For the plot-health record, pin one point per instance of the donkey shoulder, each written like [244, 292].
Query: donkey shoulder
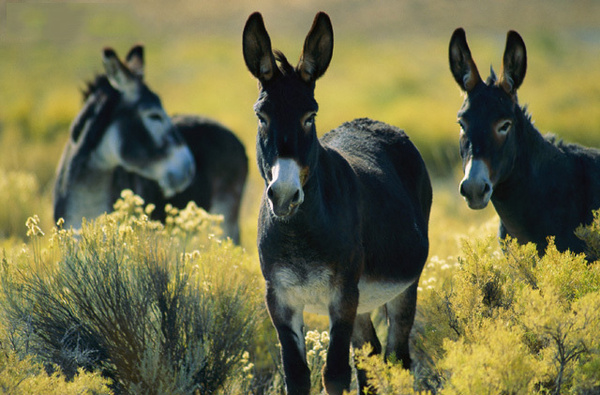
[585, 159]
[369, 130]
[367, 139]
[373, 145]
[203, 132]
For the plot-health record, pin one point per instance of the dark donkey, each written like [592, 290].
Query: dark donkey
[122, 138]
[343, 221]
[538, 186]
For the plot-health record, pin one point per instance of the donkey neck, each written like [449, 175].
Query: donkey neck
[330, 186]
[86, 181]
[517, 199]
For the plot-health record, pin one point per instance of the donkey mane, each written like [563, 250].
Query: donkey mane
[284, 65]
[100, 101]
[492, 79]
[530, 136]
[99, 83]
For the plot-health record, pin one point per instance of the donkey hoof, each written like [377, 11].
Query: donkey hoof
[336, 382]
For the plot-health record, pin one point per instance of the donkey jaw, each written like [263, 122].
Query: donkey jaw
[284, 192]
[282, 211]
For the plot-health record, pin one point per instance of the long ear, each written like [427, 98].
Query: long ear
[514, 63]
[119, 75]
[135, 61]
[318, 49]
[256, 46]
[462, 66]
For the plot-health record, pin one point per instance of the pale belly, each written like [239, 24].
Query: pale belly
[315, 293]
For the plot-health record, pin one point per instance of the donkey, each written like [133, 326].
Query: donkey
[343, 219]
[538, 186]
[218, 185]
[122, 138]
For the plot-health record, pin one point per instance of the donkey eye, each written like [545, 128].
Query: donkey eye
[262, 121]
[155, 117]
[309, 121]
[504, 127]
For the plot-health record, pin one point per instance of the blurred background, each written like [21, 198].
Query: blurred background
[390, 63]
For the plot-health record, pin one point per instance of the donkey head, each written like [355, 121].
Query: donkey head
[139, 135]
[287, 144]
[487, 118]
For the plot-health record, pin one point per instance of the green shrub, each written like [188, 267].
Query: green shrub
[513, 322]
[492, 360]
[24, 376]
[125, 297]
[590, 234]
[384, 377]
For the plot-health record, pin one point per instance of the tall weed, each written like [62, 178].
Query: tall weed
[20, 193]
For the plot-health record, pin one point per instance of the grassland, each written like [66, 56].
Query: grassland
[390, 63]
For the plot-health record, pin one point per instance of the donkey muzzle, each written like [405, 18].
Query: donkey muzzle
[284, 192]
[179, 173]
[476, 186]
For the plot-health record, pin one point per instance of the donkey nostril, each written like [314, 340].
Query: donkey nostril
[462, 189]
[486, 188]
[296, 197]
[172, 178]
[270, 192]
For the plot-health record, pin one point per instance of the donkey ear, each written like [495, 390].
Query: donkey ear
[135, 61]
[119, 75]
[462, 66]
[514, 63]
[318, 49]
[256, 45]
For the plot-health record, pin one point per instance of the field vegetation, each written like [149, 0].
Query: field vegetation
[127, 305]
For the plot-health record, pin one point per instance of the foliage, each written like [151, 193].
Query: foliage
[513, 322]
[384, 377]
[124, 297]
[24, 376]
[590, 234]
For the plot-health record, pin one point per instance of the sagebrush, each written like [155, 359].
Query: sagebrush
[150, 307]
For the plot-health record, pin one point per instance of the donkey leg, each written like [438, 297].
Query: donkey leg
[364, 333]
[342, 313]
[288, 322]
[401, 315]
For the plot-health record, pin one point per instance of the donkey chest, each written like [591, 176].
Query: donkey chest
[318, 291]
[311, 291]
[88, 198]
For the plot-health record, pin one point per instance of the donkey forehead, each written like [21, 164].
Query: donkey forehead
[485, 105]
[284, 95]
[145, 100]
